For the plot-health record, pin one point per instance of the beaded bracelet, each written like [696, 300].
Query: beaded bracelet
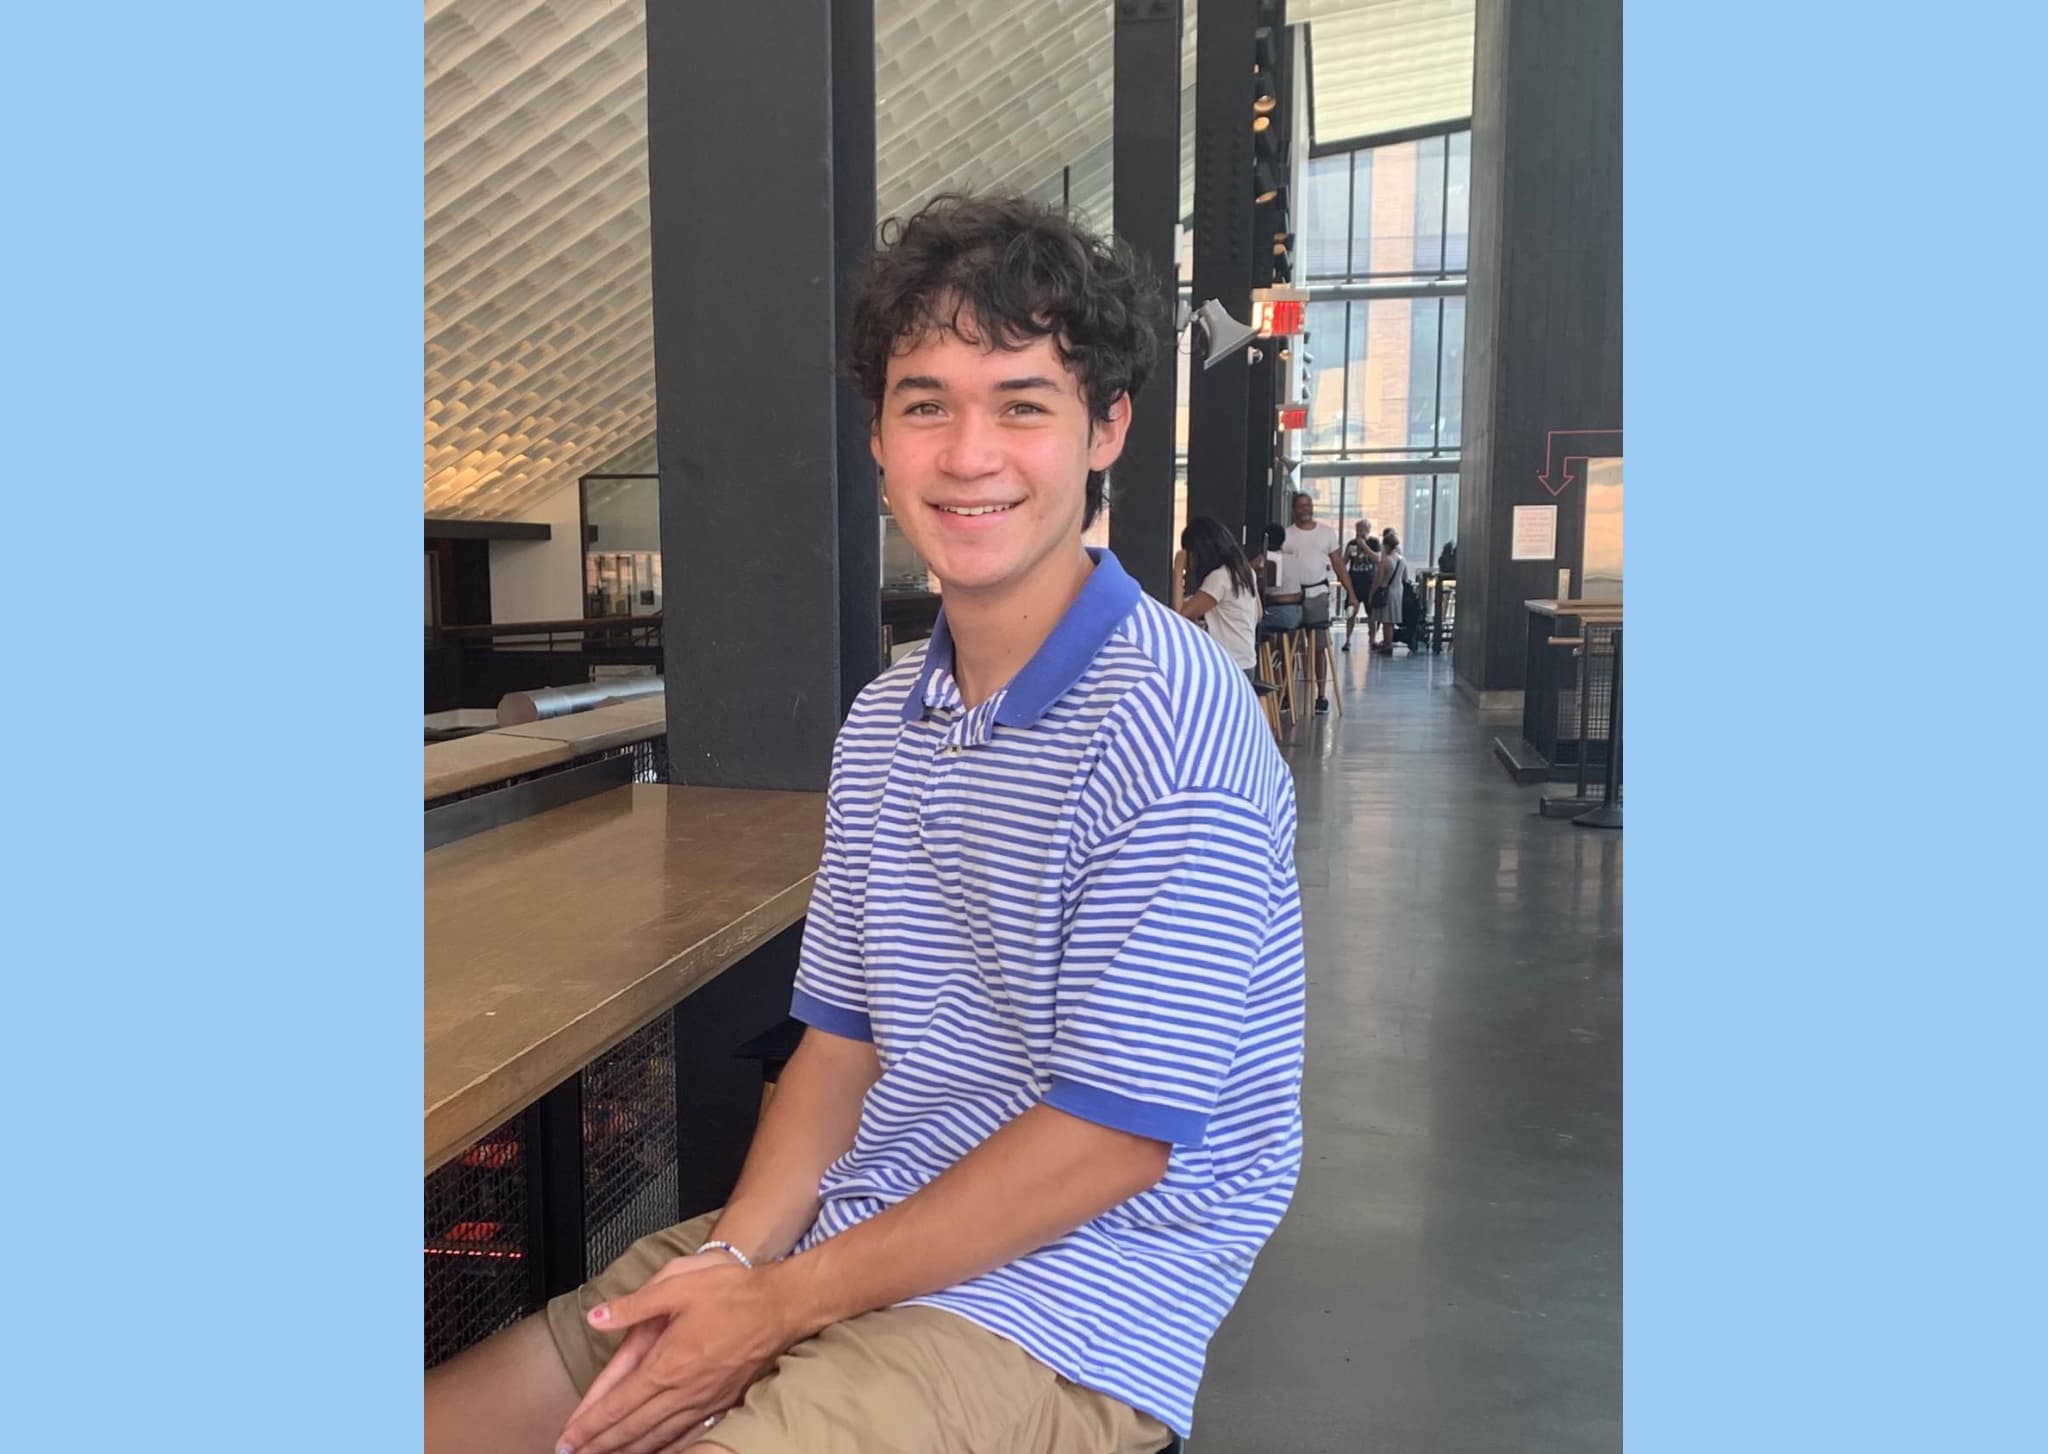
[738, 1256]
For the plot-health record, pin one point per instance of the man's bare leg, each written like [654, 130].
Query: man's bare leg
[509, 1394]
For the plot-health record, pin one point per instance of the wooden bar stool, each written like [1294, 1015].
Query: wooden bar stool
[1269, 703]
[1276, 665]
[1311, 642]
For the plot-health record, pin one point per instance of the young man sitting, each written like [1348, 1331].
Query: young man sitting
[1047, 1107]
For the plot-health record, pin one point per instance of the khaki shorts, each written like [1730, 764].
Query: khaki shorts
[907, 1380]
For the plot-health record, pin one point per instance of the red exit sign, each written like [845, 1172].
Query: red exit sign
[1285, 317]
[1294, 417]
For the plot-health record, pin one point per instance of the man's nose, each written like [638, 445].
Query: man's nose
[971, 449]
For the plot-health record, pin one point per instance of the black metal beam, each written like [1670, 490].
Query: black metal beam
[1219, 398]
[749, 244]
[1389, 138]
[554, 1143]
[1413, 464]
[1145, 158]
[1262, 389]
[718, 1088]
[486, 530]
[853, 233]
[1263, 382]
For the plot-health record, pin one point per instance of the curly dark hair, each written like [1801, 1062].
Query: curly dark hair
[1017, 270]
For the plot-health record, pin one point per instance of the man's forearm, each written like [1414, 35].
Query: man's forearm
[810, 1122]
[1032, 1182]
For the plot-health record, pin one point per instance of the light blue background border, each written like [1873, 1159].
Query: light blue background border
[1834, 307]
[1834, 310]
[213, 523]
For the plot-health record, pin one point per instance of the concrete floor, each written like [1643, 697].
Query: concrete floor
[1449, 1276]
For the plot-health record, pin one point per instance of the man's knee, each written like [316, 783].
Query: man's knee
[507, 1394]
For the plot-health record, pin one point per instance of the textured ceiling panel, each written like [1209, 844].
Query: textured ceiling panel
[1386, 65]
[539, 344]
[540, 356]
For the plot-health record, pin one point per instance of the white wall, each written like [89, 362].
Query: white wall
[541, 580]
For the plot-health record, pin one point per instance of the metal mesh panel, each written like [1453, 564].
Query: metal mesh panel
[1590, 693]
[650, 760]
[478, 1279]
[630, 1183]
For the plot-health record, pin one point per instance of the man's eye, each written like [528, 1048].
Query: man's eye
[1021, 407]
[924, 408]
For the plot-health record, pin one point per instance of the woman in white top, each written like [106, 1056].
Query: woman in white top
[1221, 594]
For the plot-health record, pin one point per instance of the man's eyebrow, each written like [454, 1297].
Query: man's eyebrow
[919, 383]
[1032, 381]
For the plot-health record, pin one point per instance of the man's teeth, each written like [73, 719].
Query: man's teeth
[976, 510]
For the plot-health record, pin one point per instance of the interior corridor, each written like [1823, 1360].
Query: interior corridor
[1449, 1276]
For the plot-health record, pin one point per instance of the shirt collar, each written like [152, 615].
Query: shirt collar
[1106, 599]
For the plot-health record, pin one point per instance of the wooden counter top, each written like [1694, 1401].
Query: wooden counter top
[488, 757]
[1590, 610]
[633, 720]
[470, 762]
[550, 940]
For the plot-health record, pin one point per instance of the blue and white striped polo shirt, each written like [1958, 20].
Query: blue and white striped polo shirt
[1080, 892]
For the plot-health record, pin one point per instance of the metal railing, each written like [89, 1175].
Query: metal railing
[596, 633]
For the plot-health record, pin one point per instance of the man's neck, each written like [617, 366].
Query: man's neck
[996, 632]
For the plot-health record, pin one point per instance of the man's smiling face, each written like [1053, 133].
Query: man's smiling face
[985, 454]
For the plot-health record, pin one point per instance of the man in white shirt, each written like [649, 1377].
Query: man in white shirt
[1317, 566]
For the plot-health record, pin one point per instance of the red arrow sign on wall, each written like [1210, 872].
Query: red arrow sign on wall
[1574, 443]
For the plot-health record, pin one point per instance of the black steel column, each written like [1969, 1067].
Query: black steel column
[1543, 313]
[1271, 220]
[1218, 398]
[1145, 158]
[853, 233]
[749, 238]
[554, 1159]
[718, 1091]
[1262, 411]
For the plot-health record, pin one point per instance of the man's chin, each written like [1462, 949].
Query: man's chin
[969, 581]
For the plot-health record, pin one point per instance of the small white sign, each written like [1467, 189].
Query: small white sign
[1535, 533]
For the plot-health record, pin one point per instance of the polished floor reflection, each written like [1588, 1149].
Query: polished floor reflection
[1449, 1277]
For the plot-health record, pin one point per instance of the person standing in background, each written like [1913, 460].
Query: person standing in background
[1361, 564]
[1386, 604]
[1319, 570]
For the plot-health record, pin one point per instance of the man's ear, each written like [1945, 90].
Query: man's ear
[1106, 436]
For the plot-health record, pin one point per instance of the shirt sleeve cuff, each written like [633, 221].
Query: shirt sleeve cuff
[1121, 1113]
[847, 1024]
